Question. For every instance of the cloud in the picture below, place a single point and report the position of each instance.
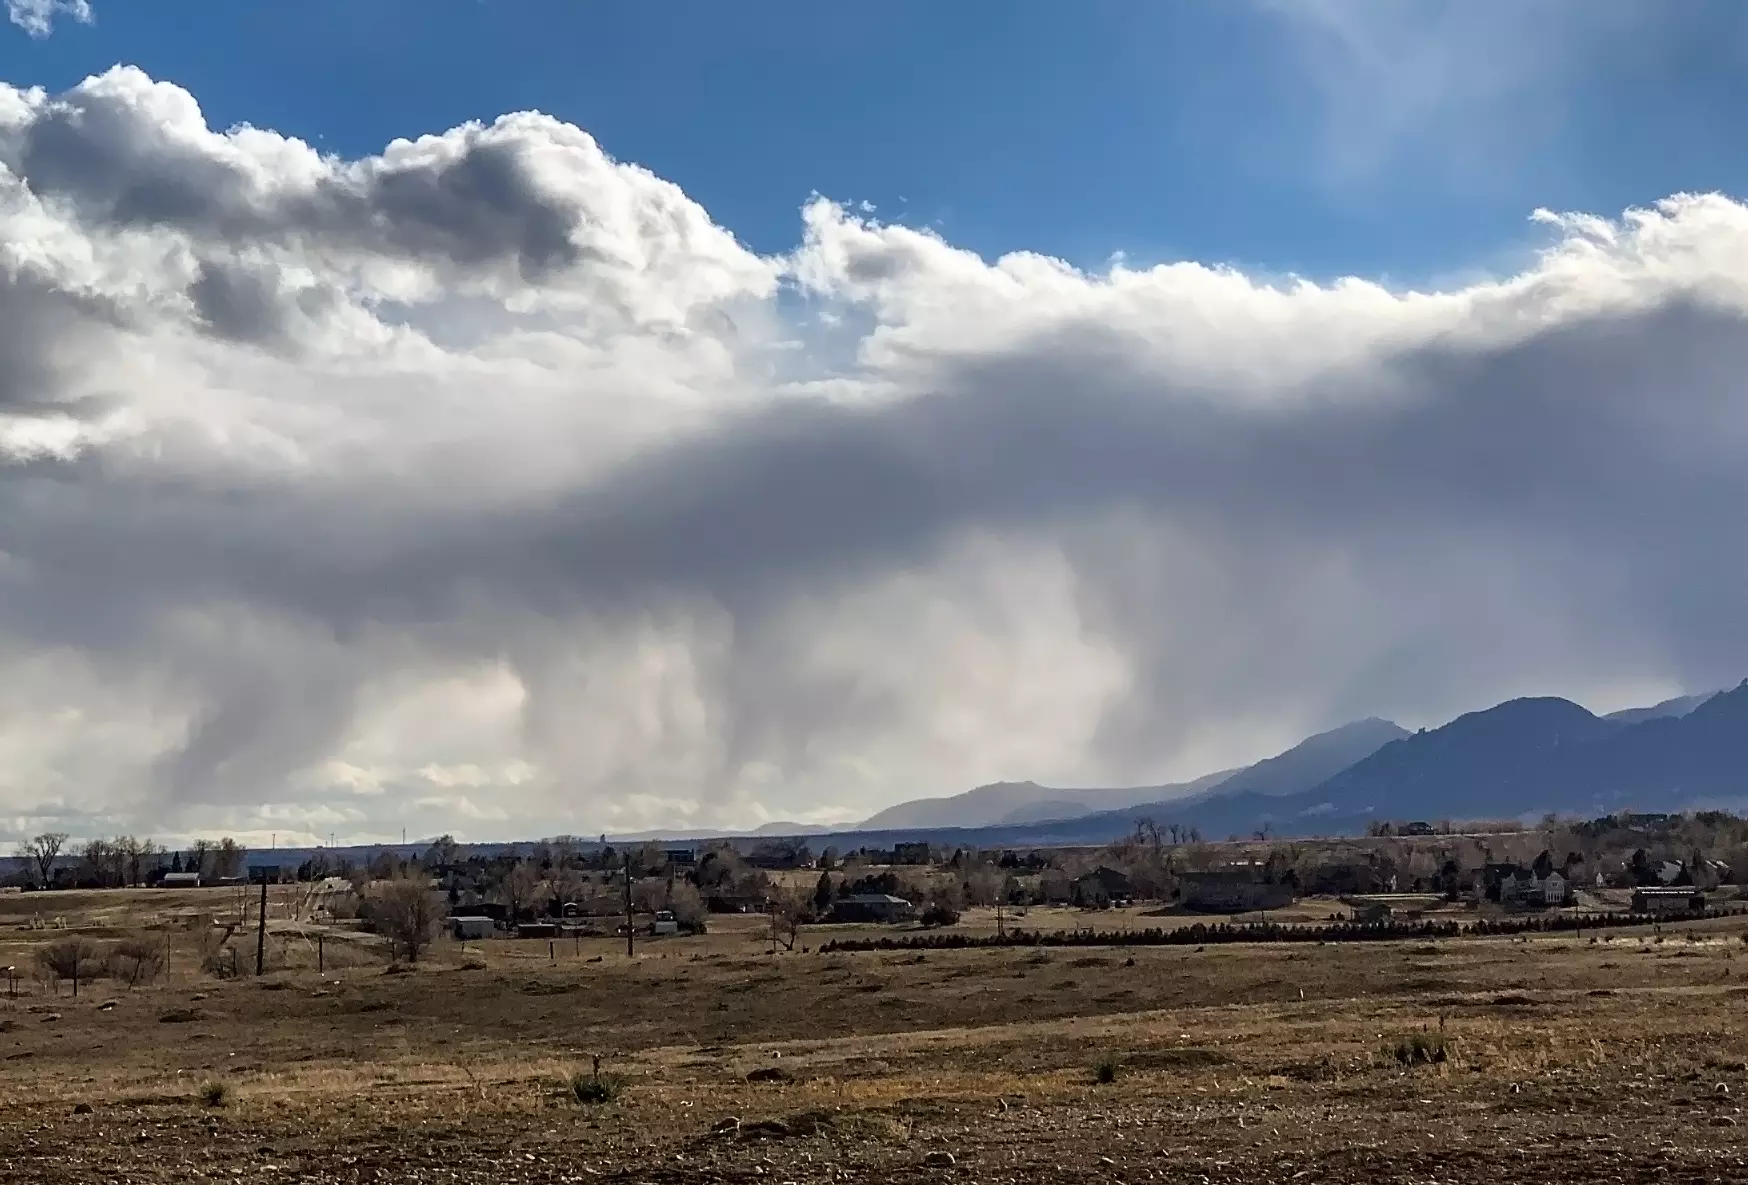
(487, 485)
(37, 17)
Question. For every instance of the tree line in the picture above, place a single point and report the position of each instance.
(1217, 933)
(121, 862)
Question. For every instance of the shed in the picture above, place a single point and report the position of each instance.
(181, 880)
(471, 929)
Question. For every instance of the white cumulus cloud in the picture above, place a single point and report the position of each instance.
(37, 17)
(486, 484)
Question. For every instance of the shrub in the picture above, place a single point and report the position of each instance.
(135, 961)
(594, 1089)
(687, 905)
(940, 914)
(1106, 1068)
(1420, 1049)
(77, 959)
(217, 956)
(214, 1094)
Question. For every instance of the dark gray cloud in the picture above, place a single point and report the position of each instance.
(107, 150)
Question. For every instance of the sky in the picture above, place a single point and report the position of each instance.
(512, 419)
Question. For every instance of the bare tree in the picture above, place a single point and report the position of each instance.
(43, 850)
(200, 858)
(407, 910)
(519, 886)
(443, 853)
(228, 858)
(136, 960)
(96, 862)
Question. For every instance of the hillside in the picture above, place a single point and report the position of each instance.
(1681, 705)
(1477, 766)
(1005, 804)
(1023, 802)
(1314, 759)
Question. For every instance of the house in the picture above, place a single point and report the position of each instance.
(1342, 877)
(471, 929)
(780, 855)
(1523, 888)
(872, 907)
(1232, 890)
(734, 903)
(1101, 887)
(1659, 899)
(681, 857)
(181, 880)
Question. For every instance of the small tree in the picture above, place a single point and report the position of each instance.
(77, 959)
(135, 961)
(407, 911)
(42, 850)
(687, 905)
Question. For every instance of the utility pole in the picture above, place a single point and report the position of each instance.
(261, 930)
(630, 929)
(1001, 920)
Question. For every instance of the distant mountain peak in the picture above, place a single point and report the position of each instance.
(1681, 705)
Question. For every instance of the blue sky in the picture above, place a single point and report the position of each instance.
(1404, 141)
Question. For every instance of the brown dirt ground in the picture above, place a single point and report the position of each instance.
(1567, 1060)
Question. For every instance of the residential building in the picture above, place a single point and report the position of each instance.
(1100, 887)
(1232, 890)
(1657, 899)
(872, 907)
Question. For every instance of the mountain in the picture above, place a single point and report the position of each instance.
(1478, 766)
(1314, 759)
(1679, 706)
(1006, 804)
(1022, 802)
(1521, 758)
(1669, 762)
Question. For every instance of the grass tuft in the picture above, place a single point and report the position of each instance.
(1106, 1068)
(1420, 1049)
(596, 1089)
(214, 1094)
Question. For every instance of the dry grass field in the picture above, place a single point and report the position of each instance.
(1552, 1059)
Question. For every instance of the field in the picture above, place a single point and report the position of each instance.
(1553, 1059)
